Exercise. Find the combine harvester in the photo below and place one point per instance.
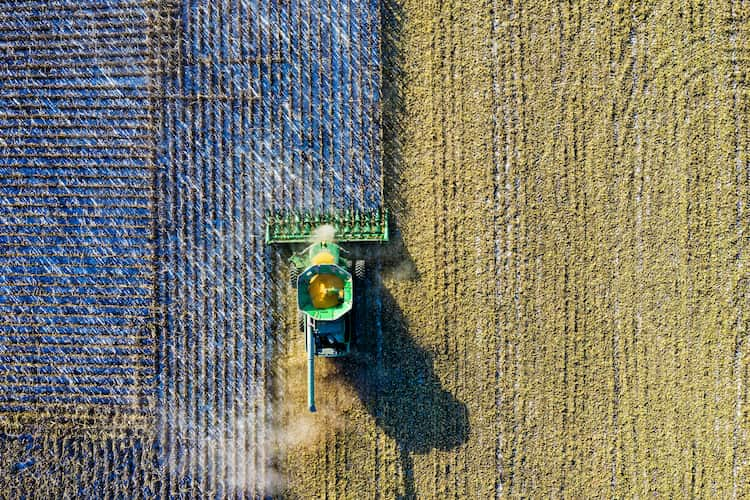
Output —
(322, 276)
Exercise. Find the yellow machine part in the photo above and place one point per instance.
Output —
(323, 258)
(326, 290)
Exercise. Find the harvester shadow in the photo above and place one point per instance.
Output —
(395, 379)
(392, 374)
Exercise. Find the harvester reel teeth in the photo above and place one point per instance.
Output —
(349, 225)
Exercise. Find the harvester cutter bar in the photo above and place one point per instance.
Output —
(350, 225)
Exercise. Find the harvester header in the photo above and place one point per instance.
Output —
(350, 225)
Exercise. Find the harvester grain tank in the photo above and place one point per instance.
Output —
(322, 275)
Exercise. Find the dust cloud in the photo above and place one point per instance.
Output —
(325, 232)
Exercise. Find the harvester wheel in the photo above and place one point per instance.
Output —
(293, 275)
(359, 269)
(301, 322)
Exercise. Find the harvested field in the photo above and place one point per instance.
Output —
(563, 311)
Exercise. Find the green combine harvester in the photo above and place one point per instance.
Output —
(322, 275)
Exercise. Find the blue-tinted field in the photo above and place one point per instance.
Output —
(140, 145)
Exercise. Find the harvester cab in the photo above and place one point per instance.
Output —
(324, 277)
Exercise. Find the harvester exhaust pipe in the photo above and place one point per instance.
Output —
(311, 371)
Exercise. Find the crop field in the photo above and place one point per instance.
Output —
(567, 316)
(573, 190)
(563, 310)
(141, 144)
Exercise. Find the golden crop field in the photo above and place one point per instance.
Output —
(567, 313)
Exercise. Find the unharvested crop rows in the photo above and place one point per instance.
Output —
(40, 319)
(246, 106)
